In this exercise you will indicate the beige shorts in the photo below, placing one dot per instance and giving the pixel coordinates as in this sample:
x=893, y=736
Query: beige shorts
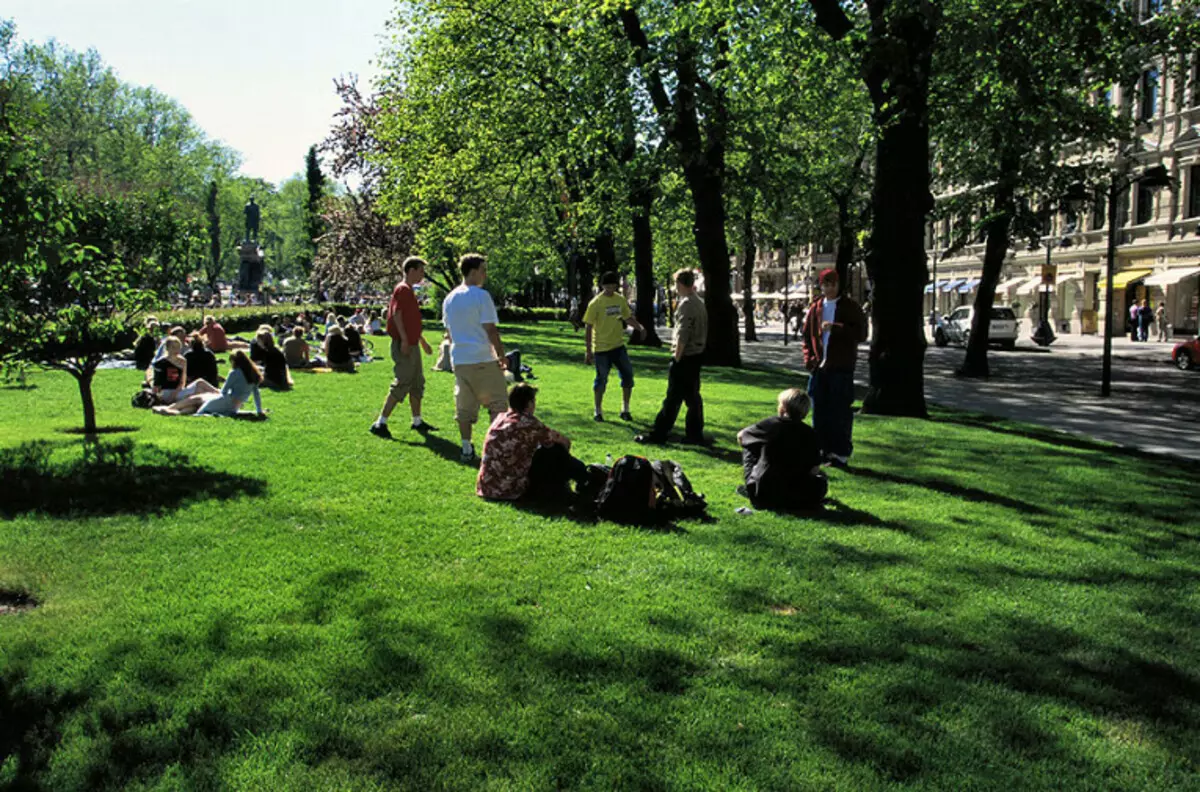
x=476, y=385
x=410, y=375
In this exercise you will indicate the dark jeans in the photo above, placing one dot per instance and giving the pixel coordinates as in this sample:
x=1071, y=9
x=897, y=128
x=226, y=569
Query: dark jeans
x=832, y=394
x=553, y=467
x=683, y=387
x=771, y=489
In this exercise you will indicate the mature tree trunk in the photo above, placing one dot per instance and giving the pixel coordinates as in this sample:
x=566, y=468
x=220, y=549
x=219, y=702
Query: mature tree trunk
x=897, y=57
x=642, y=201
x=84, y=377
x=702, y=153
x=749, y=254
x=846, y=242
x=975, y=364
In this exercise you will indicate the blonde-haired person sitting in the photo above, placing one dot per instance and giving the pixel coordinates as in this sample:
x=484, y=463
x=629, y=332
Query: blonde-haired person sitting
x=337, y=350
x=781, y=458
x=169, y=377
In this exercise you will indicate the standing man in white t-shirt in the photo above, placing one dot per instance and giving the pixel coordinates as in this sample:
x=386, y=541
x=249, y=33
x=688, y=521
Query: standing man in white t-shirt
x=476, y=351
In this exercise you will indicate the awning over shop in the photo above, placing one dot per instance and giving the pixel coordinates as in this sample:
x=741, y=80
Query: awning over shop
x=1011, y=283
x=1068, y=280
x=1123, y=279
x=952, y=285
x=1029, y=285
x=1171, y=277
x=929, y=287
x=973, y=283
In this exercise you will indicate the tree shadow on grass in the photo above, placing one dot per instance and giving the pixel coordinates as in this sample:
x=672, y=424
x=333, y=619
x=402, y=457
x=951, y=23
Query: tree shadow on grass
x=43, y=477
x=950, y=488
x=446, y=449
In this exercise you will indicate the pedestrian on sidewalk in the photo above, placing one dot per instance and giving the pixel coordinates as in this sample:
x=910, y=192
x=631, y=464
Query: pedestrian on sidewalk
x=1133, y=321
x=605, y=342
x=833, y=329
x=1160, y=321
x=404, y=326
x=1144, y=317
x=683, y=376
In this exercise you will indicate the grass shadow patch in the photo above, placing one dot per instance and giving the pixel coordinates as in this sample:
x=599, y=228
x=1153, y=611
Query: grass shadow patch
x=108, y=479
x=16, y=601
x=100, y=430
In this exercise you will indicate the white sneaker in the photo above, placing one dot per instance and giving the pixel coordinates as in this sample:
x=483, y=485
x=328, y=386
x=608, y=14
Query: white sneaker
x=467, y=455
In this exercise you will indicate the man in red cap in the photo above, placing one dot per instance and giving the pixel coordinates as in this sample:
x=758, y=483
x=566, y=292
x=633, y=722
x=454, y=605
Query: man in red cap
x=833, y=329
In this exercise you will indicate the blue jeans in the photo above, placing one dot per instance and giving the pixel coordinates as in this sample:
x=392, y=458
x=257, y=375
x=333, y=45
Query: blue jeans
x=832, y=394
x=605, y=361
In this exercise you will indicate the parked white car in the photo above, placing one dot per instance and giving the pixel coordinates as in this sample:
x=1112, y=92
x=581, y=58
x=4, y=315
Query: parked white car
x=956, y=328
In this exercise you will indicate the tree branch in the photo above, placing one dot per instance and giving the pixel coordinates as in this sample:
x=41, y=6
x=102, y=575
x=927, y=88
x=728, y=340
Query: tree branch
x=831, y=18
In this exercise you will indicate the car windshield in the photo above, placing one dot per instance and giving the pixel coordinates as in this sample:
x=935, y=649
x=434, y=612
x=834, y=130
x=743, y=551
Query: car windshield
x=1003, y=314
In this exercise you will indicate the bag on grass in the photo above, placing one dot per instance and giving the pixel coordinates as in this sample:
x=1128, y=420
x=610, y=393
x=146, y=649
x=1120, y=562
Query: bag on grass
x=144, y=399
x=628, y=495
x=676, y=497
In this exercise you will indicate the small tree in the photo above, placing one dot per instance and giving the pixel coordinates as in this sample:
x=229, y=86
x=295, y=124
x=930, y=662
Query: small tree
x=212, y=265
x=314, y=220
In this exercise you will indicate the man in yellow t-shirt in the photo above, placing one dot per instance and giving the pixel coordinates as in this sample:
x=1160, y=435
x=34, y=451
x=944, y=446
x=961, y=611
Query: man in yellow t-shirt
x=605, y=341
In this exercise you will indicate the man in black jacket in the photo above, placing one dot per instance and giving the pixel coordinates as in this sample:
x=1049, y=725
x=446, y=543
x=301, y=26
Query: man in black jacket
x=833, y=329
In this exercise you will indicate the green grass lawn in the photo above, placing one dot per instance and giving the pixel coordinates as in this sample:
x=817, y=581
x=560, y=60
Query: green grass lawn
x=296, y=604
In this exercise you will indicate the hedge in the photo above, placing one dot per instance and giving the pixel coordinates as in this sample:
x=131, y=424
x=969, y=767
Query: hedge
x=247, y=318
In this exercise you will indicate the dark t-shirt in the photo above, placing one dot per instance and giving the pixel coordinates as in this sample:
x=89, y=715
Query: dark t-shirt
x=143, y=353
x=778, y=451
x=354, y=339
x=257, y=352
x=202, y=365
x=275, y=366
x=167, y=375
x=339, y=350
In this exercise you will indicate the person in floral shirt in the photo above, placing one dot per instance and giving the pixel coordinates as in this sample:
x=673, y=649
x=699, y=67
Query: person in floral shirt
x=524, y=457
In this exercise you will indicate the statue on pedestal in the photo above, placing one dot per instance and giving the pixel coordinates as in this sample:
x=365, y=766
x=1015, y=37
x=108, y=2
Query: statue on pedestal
x=253, y=216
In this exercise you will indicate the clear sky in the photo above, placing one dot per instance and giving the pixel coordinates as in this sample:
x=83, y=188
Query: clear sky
x=256, y=74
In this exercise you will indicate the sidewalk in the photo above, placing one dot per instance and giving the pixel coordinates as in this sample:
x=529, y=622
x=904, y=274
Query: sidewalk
x=1154, y=407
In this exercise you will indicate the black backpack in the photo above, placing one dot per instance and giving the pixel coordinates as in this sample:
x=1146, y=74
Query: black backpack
x=676, y=498
x=629, y=494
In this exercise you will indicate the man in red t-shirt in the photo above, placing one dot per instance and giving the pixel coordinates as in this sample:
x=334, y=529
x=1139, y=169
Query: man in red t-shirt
x=404, y=326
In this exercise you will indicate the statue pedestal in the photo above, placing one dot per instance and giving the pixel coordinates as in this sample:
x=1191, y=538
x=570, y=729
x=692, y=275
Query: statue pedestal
x=252, y=269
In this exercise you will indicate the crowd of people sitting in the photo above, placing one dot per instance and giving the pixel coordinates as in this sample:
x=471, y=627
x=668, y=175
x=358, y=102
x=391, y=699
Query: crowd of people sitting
x=182, y=373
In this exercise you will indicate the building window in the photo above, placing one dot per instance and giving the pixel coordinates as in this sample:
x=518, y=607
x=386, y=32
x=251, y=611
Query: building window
x=1194, y=191
x=945, y=224
x=929, y=235
x=1148, y=107
x=1145, y=206
x=1099, y=211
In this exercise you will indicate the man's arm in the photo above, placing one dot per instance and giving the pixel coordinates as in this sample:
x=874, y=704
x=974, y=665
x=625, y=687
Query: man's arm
x=587, y=340
x=493, y=334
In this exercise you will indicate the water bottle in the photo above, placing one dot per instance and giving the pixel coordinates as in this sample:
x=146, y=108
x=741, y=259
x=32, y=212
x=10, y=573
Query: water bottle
x=608, y=460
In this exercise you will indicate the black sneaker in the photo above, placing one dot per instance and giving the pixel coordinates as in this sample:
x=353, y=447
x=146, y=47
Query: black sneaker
x=741, y=490
x=423, y=427
x=650, y=439
x=381, y=430
x=598, y=418
x=625, y=416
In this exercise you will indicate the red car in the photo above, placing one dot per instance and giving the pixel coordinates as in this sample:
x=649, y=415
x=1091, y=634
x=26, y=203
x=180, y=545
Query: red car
x=1186, y=354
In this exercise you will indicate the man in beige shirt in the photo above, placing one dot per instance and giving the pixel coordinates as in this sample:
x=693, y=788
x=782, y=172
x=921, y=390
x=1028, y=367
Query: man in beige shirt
x=683, y=377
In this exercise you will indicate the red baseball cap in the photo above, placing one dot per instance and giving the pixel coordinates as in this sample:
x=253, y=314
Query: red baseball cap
x=828, y=275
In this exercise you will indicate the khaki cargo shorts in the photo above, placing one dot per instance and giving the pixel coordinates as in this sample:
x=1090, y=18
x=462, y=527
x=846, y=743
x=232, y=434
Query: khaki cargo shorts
x=409, y=373
x=476, y=385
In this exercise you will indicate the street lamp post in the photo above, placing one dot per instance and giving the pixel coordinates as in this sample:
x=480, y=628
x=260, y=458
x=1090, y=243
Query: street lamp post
x=1152, y=179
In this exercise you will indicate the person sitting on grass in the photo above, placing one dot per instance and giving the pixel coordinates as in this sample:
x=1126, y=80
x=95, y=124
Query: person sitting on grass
x=143, y=351
x=337, y=350
x=169, y=377
x=781, y=458
x=375, y=326
x=524, y=458
x=175, y=332
x=295, y=349
x=355, y=341
x=275, y=372
x=201, y=363
x=443, y=357
x=215, y=337
x=241, y=384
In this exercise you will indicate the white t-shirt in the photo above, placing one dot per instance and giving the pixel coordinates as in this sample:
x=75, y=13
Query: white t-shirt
x=828, y=312
x=466, y=310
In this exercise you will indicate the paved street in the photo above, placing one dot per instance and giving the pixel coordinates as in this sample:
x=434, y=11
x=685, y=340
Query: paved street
x=1154, y=407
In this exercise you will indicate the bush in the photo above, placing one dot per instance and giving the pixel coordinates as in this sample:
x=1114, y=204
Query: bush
x=246, y=319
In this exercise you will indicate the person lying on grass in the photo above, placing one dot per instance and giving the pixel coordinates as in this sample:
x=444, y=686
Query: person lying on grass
x=781, y=458
x=242, y=383
x=169, y=375
x=524, y=458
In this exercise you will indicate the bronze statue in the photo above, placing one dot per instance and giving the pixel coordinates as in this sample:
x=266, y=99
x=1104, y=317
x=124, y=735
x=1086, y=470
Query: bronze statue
x=253, y=215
